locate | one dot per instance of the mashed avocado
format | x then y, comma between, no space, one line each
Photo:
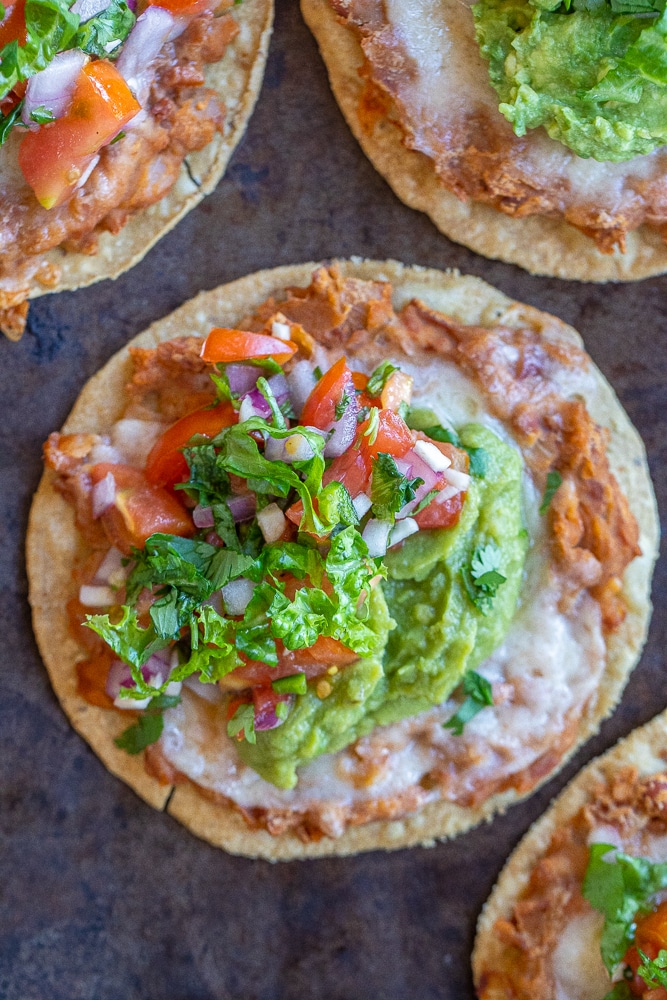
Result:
429,630
593,73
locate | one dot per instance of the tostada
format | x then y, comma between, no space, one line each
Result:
532,131
344,558
579,911
115,120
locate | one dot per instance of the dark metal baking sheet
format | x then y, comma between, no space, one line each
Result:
101,898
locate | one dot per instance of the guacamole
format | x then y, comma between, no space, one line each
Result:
593,73
430,631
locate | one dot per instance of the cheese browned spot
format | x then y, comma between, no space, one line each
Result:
423,71
625,810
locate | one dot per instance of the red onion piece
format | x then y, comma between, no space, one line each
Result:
242,507
376,536
53,87
155,670
111,568
237,595
253,404
103,495
150,32
89,8
119,676
278,386
412,466
265,715
203,517
301,382
344,429
242,378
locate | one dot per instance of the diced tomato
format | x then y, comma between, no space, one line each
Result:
140,509
54,156
179,8
652,929
441,515
638,986
166,463
320,407
225,345
312,662
12,26
393,437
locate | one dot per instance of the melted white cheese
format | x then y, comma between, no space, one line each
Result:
578,968
450,82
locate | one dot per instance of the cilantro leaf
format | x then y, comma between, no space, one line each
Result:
341,406
653,971
42,115
103,34
620,887
426,421
379,378
50,27
242,723
621,991
7,121
148,727
483,577
479,461
276,412
479,695
390,489
554,480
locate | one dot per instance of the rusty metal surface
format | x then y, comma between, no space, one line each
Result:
100,896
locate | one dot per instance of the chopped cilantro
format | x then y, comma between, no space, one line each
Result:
371,431
148,727
379,378
242,724
276,412
653,971
479,695
42,115
103,34
117,138
621,991
479,461
50,27
341,406
390,489
483,577
620,887
7,121
317,372
554,480
294,684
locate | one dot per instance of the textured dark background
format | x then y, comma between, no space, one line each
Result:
101,898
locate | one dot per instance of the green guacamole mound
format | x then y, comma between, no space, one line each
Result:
429,632
595,79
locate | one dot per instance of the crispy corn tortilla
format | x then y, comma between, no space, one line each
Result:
53,545
238,79
539,244
645,749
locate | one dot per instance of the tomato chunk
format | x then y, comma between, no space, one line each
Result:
166,463
12,26
140,509
393,437
223,344
441,515
54,157
320,407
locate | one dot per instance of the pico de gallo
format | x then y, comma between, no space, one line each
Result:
74,76
629,891
268,547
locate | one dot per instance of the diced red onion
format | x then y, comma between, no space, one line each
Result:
376,535
414,467
242,378
119,676
446,493
301,382
242,506
294,448
460,480
209,692
271,522
215,601
150,32
89,8
103,494
213,538
278,386
344,430
155,672
432,455
203,517
362,504
111,569
53,87
237,595
96,596
253,404
280,330
266,718
402,529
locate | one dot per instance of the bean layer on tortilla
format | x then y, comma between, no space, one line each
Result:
78,205
475,356
415,91
581,899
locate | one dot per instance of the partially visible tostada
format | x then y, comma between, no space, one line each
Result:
369,561
115,120
531,131
580,909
